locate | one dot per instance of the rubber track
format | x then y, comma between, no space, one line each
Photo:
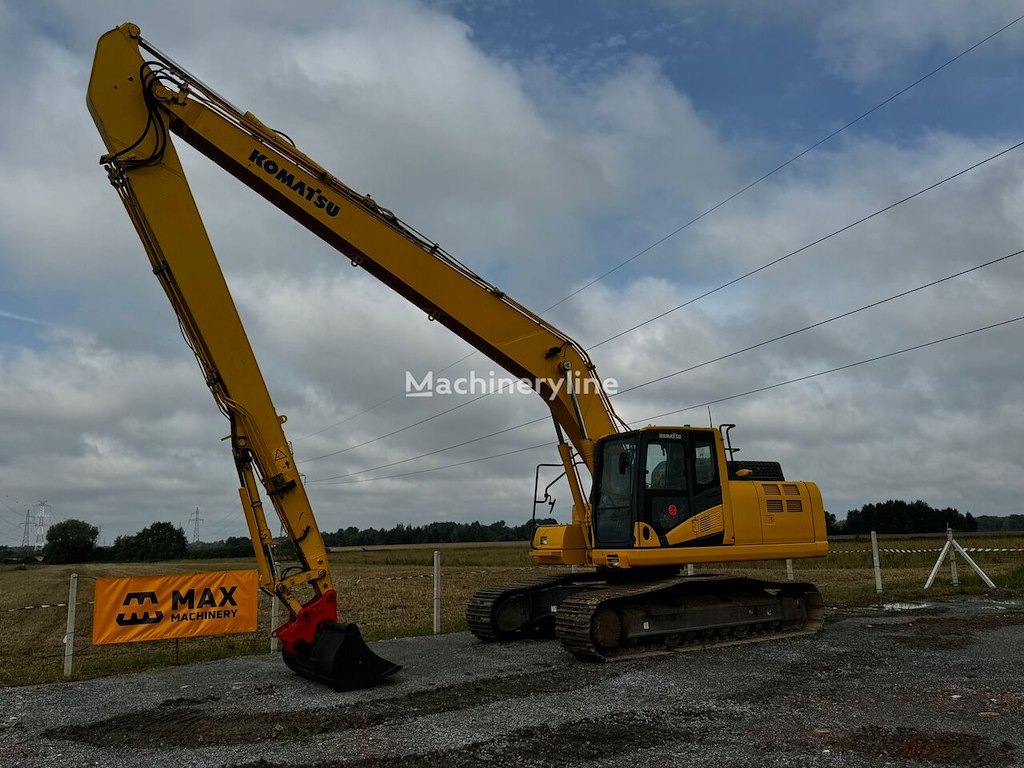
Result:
480,611
573,624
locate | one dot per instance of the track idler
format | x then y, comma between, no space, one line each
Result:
341,658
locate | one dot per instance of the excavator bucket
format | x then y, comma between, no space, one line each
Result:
342,659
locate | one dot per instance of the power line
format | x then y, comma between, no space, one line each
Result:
397,431
347,419
371,408
704,404
446,466
707,293
833,370
817,324
803,248
694,220
775,170
4,502
9,523
431,453
820,323
12,526
225,527
222,522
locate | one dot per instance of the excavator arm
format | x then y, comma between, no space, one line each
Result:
137,102
130,102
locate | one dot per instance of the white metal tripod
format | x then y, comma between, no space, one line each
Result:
951,548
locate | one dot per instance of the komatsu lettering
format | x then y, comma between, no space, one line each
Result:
314,195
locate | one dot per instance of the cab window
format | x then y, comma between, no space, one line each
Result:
704,463
613,497
666,465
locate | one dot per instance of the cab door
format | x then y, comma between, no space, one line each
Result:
614,496
681,477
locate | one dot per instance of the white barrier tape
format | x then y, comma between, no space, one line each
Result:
44,605
910,551
532,568
30,607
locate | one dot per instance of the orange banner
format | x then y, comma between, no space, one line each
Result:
137,608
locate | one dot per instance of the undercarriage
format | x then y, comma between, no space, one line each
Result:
602,616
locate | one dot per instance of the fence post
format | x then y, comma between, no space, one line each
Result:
789,569
69,638
974,565
437,592
952,556
877,563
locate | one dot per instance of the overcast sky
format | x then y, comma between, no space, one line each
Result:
542,143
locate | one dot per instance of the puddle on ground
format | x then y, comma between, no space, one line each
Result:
905,606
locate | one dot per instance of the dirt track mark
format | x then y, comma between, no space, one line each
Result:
930,632
163,726
580,741
826,667
187,702
956,633
946,747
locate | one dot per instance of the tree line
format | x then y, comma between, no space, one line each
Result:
74,541
433,533
896,516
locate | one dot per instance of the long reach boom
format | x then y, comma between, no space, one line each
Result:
659,497
136,102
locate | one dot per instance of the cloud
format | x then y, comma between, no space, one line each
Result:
540,179
865,40
866,431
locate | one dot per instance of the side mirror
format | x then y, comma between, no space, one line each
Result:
744,472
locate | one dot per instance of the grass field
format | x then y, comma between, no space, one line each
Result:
388,592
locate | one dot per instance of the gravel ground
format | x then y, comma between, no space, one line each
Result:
941,684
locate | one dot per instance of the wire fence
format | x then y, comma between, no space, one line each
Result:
393,601
385,601
77,642
888,550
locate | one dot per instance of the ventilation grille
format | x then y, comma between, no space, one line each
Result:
707,523
791,490
794,505
774,505
771,490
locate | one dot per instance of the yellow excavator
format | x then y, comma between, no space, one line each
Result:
660,497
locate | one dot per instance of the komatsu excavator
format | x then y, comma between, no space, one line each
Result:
660,497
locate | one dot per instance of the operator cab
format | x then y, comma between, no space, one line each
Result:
661,477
